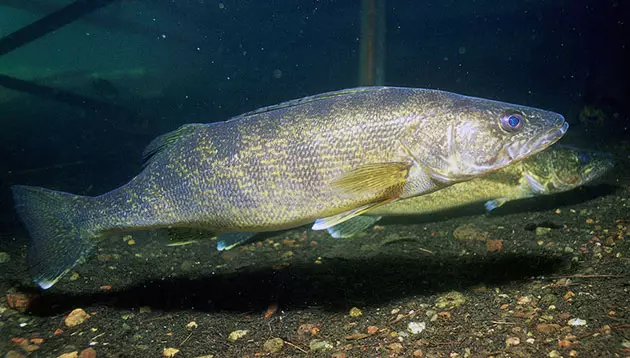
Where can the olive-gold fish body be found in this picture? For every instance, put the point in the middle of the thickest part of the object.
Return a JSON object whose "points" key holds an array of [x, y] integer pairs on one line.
{"points": [[325, 158]]}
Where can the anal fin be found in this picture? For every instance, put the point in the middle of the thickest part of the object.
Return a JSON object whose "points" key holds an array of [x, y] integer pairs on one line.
{"points": [[352, 226], [325, 223]]}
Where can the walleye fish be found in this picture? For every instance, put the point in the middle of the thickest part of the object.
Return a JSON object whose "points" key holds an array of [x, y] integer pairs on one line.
{"points": [[325, 158], [554, 170]]}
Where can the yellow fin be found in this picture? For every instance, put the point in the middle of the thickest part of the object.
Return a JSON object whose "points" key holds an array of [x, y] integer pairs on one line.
{"points": [[372, 177], [325, 223]]}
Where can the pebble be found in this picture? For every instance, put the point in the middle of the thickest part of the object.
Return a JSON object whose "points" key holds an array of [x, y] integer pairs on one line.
{"points": [[76, 317], [396, 347], [169, 352], [14, 354], [74, 354], [416, 327], [469, 232], [88, 353], [418, 353], [238, 334], [19, 301], [4, 257], [494, 245], [372, 329], [355, 312], [547, 328], [274, 345], [192, 325], [512, 341], [542, 231], [450, 300], [576, 322], [548, 299], [320, 345]]}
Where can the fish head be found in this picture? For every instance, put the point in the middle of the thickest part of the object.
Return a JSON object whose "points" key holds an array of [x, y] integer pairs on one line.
{"points": [[562, 168], [475, 136]]}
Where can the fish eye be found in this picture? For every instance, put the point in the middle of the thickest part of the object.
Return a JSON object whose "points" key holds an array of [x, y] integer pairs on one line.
{"points": [[583, 158], [512, 122]]}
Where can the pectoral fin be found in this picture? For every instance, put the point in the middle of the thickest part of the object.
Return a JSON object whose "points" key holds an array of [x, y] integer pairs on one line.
{"points": [[352, 226], [373, 177], [325, 223], [535, 186]]}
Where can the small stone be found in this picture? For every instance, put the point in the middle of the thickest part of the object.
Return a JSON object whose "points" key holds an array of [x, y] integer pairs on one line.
{"points": [[554, 354], [192, 325], [547, 328], [355, 312], [524, 300], [338, 355], [145, 309], [14, 354], [469, 232], [548, 299], [372, 329], [274, 345], [494, 245], [37, 340], [320, 345], [512, 341], [74, 354], [57, 332], [450, 300], [131, 242], [19, 301], [542, 231], [88, 353], [238, 334], [417, 353], [416, 327], [169, 352], [576, 322], [75, 276], [307, 329], [4, 257], [396, 347], [76, 317], [573, 353]]}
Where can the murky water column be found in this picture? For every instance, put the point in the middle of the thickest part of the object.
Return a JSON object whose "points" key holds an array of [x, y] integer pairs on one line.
{"points": [[372, 55]]}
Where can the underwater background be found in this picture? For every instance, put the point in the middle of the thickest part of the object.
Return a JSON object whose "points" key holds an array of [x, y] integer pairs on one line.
{"points": [[408, 288]]}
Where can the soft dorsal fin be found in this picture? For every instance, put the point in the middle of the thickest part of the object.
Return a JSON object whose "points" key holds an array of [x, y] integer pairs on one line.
{"points": [[311, 99], [164, 141]]}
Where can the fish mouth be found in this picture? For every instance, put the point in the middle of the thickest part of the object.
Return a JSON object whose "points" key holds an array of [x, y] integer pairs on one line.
{"points": [[536, 145]]}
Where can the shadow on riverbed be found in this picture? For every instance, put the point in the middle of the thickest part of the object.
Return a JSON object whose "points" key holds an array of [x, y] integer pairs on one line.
{"points": [[334, 285]]}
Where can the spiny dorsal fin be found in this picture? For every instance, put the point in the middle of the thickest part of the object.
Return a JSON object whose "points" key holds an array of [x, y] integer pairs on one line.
{"points": [[311, 99], [164, 141]]}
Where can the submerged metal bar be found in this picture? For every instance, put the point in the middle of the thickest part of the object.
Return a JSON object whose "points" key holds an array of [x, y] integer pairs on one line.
{"points": [[63, 96], [372, 51], [49, 23]]}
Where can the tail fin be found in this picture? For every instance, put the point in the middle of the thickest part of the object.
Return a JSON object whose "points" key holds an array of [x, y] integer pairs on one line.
{"points": [[57, 224]]}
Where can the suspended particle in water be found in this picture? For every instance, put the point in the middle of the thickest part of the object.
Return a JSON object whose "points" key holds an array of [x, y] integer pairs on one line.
{"points": [[221, 6], [277, 73], [462, 50]]}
